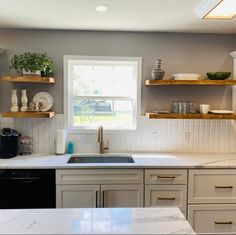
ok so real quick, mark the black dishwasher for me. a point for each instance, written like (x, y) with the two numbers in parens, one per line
(27, 188)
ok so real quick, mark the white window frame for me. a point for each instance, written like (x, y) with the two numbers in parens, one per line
(68, 100)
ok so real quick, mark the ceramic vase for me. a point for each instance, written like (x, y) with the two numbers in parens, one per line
(158, 73)
(24, 101)
(14, 101)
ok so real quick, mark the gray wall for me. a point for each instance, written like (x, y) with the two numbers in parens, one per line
(180, 53)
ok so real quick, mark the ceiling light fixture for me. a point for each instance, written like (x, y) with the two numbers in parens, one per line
(217, 9)
(102, 8)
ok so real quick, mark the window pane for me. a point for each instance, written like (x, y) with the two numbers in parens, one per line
(103, 80)
(106, 112)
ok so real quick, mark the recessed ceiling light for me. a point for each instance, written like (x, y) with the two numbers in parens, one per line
(217, 9)
(102, 8)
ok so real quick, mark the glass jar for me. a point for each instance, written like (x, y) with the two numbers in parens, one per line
(25, 145)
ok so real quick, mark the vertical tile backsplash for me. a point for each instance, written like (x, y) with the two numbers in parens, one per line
(206, 136)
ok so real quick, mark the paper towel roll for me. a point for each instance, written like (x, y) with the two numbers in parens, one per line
(60, 142)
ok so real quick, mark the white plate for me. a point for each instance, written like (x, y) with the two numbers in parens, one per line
(186, 76)
(222, 111)
(46, 99)
(161, 112)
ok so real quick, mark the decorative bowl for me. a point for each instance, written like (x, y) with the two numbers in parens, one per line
(218, 75)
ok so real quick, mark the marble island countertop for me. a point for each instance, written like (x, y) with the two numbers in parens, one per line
(94, 221)
(142, 160)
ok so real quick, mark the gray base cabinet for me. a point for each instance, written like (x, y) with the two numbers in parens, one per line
(207, 195)
(92, 196)
(212, 201)
(114, 188)
(166, 188)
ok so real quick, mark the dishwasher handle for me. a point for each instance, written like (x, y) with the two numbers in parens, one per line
(20, 178)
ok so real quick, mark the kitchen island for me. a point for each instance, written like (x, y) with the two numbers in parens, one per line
(94, 221)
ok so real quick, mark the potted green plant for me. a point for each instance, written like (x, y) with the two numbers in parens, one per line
(33, 63)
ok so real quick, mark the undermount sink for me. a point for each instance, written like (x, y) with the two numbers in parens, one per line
(101, 159)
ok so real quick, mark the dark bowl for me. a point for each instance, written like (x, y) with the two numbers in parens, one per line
(218, 75)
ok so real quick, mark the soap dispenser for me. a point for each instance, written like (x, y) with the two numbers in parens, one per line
(70, 147)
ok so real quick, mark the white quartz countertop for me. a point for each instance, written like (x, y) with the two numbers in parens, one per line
(142, 160)
(94, 221)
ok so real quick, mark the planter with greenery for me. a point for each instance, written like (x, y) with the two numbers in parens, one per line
(34, 63)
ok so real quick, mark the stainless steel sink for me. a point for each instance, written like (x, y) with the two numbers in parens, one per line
(101, 159)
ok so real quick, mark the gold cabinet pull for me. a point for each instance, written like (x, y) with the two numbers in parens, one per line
(103, 198)
(166, 198)
(223, 222)
(96, 199)
(229, 187)
(166, 177)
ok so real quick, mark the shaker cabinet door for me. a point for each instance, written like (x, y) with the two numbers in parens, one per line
(121, 195)
(78, 196)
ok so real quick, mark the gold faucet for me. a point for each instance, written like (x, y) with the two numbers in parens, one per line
(102, 147)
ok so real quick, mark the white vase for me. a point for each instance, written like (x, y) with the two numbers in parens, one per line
(37, 72)
(14, 101)
(24, 101)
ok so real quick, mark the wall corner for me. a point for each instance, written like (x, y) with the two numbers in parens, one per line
(233, 54)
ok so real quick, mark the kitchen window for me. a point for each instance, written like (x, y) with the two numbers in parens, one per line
(102, 91)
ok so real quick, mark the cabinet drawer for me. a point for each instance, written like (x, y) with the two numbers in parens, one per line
(103, 176)
(212, 186)
(219, 219)
(162, 176)
(166, 196)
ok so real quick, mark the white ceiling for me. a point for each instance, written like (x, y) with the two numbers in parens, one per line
(124, 15)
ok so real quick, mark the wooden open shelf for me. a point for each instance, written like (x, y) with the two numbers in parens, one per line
(190, 82)
(191, 116)
(29, 79)
(29, 114)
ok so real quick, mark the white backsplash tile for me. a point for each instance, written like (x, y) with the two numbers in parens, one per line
(7, 122)
(206, 136)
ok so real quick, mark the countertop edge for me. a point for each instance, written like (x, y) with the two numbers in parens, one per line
(142, 161)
